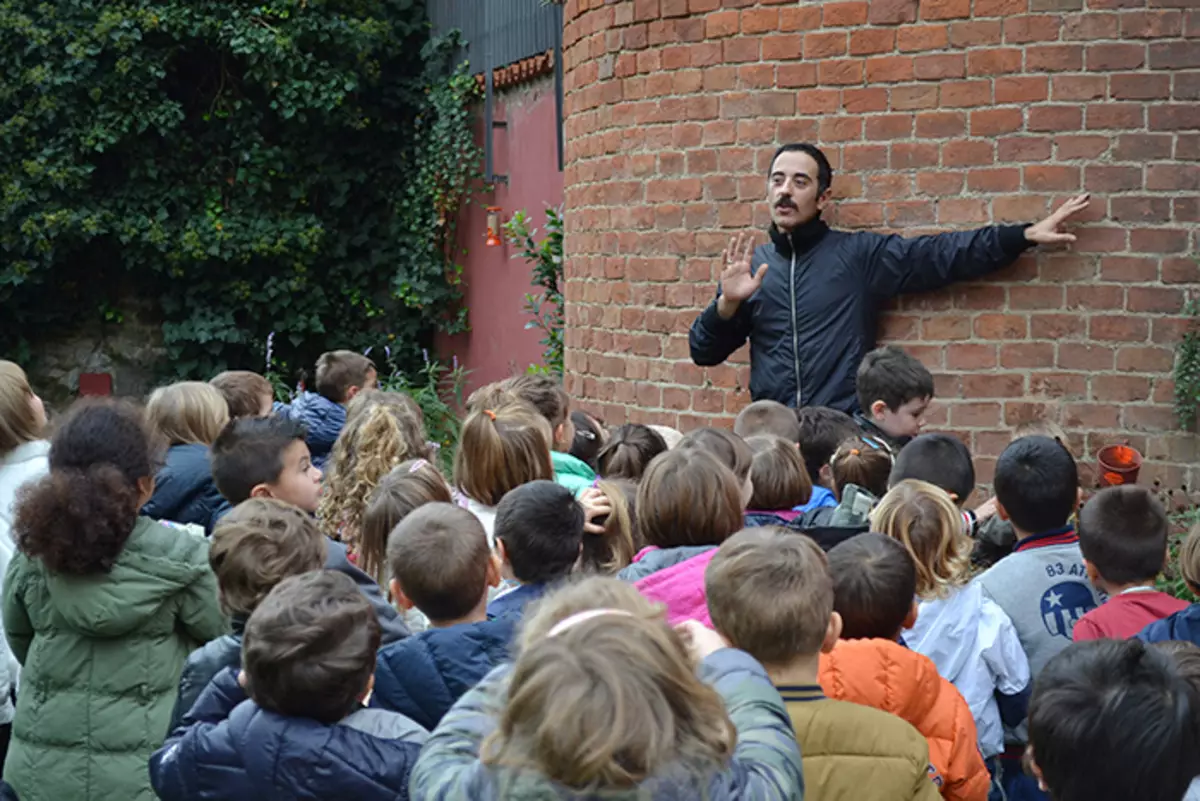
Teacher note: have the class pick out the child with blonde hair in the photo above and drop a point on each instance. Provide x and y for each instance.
(604, 699)
(499, 450)
(187, 416)
(963, 631)
(1185, 624)
(381, 432)
(613, 549)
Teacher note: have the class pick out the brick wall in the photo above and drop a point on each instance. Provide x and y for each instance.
(936, 114)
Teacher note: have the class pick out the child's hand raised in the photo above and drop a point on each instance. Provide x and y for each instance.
(701, 640)
(596, 505)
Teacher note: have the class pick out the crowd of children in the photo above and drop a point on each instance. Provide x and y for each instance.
(217, 596)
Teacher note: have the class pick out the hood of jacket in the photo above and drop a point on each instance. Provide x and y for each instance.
(257, 754)
(1183, 625)
(423, 675)
(323, 420)
(19, 466)
(650, 560)
(681, 589)
(184, 491)
(947, 630)
(156, 563)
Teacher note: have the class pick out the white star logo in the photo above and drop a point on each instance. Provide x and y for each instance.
(1055, 599)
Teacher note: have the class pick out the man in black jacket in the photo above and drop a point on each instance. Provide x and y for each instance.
(811, 307)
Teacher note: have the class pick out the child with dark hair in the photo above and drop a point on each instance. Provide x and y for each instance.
(1123, 537)
(770, 594)
(629, 452)
(254, 547)
(688, 503)
(1185, 624)
(440, 564)
(292, 724)
(894, 392)
(546, 394)
(874, 581)
(822, 430)
(101, 607)
(268, 458)
(1043, 585)
(340, 376)
(539, 533)
(945, 462)
(1186, 657)
(590, 438)
(858, 475)
(768, 418)
(1112, 720)
(780, 480)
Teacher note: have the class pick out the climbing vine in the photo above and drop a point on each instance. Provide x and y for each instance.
(241, 168)
(1187, 367)
(545, 307)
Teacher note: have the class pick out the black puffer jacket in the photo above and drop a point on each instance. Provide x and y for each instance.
(814, 317)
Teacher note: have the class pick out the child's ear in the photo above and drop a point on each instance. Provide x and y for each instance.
(832, 632)
(825, 474)
(350, 393)
(1078, 499)
(1092, 573)
(261, 491)
(402, 601)
(494, 568)
(1001, 512)
(559, 430)
(145, 486)
(366, 694)
(910, 619)
(878, 408)
(501, 551)
(1031, 761)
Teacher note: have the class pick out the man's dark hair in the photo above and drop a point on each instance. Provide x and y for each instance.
(1123, 533)
(541, 526)
(309, 648)
(1114, 719)
(1037, 483)
(439, 556)
(890, 375)
(824, 169)
(249, 452)
(822, 430)
(874, 583)
(942, 460)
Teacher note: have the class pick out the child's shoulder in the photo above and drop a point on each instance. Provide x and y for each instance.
(386, 725)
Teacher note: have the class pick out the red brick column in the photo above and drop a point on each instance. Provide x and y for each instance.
(936, 114)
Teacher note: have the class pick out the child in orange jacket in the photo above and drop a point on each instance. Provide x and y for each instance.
(874, 583)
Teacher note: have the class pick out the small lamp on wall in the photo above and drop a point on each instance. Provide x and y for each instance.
(493, 227)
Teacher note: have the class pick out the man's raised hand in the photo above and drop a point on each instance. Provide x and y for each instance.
(1049, 231)
(738, 279)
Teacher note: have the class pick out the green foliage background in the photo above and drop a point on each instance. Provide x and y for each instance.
(292, 167)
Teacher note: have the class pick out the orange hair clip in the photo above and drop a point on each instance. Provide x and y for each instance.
(854, 451)
(490, 414)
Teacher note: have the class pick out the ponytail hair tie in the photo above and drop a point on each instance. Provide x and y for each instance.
(854, 451)
(417, 465)
(490, 414)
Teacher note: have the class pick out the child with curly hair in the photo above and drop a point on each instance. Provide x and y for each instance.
(381, 432)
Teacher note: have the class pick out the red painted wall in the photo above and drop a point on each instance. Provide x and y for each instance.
(495, 283)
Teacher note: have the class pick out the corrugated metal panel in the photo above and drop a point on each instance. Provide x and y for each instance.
(512, 29)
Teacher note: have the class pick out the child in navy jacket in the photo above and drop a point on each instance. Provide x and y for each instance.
(308, 655)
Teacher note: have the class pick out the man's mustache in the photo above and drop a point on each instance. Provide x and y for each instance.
(785, 203)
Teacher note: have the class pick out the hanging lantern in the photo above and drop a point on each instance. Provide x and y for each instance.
(493, 227)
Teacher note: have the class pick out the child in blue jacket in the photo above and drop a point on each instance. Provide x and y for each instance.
(292, 724)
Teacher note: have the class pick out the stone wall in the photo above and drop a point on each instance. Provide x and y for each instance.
(937, 114)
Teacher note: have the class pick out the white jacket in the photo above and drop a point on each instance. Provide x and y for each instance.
(19, 466)
(975, 647)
